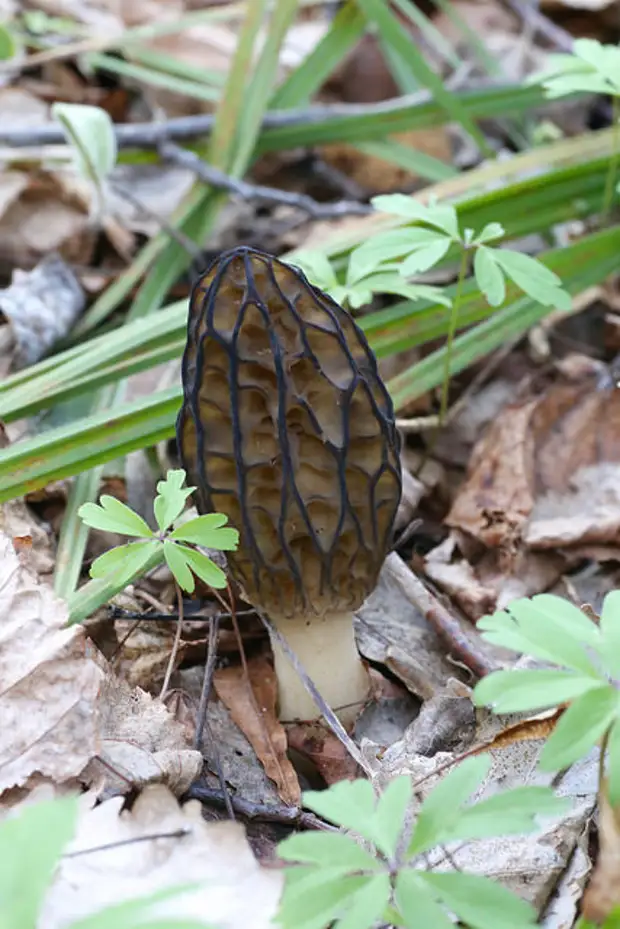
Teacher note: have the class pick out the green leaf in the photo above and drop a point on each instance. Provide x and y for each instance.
(177, 561)
(478, 901)
(368, 905)
(613, 765)
(331, 849)
(610, 633)
(123, 560)
(206, 531)
(441, 809)
(204, 568)
(441, 216)
(170, 502)
(511, 812)
(349, 803)
(309, 907)
(390, 815)
(378, 249)
(317, 268)
(527, 691)
(113, 516)
(550, 629)
(421, 259)
(416, 905)
(489, 276)
(580, 728)
(490, 232)
(135, 914)
(534, 279)
(90, 132)
(8, 43)
(31, 843)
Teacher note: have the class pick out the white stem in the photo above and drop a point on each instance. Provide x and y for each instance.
(328, 654)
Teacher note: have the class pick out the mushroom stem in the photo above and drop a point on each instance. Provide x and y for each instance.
(326, 649)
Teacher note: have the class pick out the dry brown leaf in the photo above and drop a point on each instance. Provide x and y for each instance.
(234, 891)
(50, 678)
(603, 891)
(258, 721)
(140, 743)
(325, 751)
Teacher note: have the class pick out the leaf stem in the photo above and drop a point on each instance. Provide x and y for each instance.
(454, 314)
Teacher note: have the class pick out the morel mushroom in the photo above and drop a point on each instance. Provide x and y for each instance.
(287, 428)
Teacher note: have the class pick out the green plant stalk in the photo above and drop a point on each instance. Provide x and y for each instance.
(74, 533)
(608, 196)
(452, 326)
(99, 591)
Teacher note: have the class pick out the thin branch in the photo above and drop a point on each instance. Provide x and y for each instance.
(264, 812)
(532, 16)
(441, 619)
(216, 178)
(201, 716)
(150, 135)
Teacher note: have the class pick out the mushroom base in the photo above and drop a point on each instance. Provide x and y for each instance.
(327, 651)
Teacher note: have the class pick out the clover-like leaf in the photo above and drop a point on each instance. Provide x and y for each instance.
(171, 498)
(113, 516)
(204, 568)
(533, 277)
(124, 560)
(489, 276)
(478, 901)
(206, 531)
(177, 561)
(580, 728)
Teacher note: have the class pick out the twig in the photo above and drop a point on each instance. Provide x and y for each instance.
(265, 812)
(328, 714)
(443, 622)
(216, 178)
(117, 612)
(201, 716)
(531, 15)
(150, 135)
(175, 644)
(182, 240)
(174, 834)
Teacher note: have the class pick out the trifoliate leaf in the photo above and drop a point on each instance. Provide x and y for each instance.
(204, 568)
(366, 908)
(613, 765)
(331, 849)
(441, 809)
(394, 283)
(416, 904)
(489, 276)
(170, 502)
(580, 728)
(206, 531)
(529, 691)
(478, 901)
(610, 633)
(113, 516)
(512, 812)
(442, 216)
(390, 815)
(349, 803)
(533, 277)
(425, 256)
(125, 560)
(31, 843)
(177, 561)
(380, 248)
(90, 132)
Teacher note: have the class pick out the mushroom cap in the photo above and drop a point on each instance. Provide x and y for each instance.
(288, 429)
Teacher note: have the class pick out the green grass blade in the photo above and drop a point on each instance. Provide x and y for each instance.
(153, 78)
(426, 166)
(393, 34)
(300, 86)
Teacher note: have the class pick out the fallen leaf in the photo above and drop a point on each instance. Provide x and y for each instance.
(50, 679)
(258, 721)
(233, 891)
(325, 751)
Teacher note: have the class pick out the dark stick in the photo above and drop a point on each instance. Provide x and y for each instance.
(217, 762)
(201, 716)
(443, 622)
(265, 812)
(216, 178)
(531, 15)
(150, 135)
